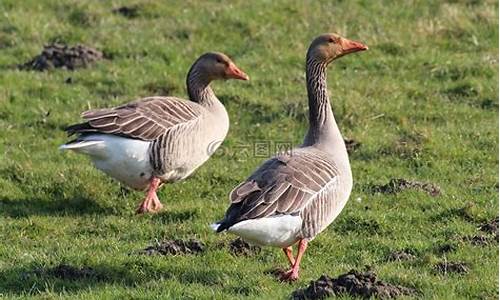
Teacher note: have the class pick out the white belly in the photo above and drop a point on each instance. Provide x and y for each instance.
(280, 231)
(124, 159)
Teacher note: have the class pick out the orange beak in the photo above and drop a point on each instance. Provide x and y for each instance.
(233, 72)
(349, 46)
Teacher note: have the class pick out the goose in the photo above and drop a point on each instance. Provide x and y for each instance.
(295, 195)
(157, 140)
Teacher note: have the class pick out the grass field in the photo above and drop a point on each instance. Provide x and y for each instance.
(423, 103)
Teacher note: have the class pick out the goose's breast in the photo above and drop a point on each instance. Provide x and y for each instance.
(187, 148)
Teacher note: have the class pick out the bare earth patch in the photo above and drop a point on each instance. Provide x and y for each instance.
(175, 247)
(400, 256)
(241, 248)
(63, 56)
(354, 283)
(479, 240)
(397, 185)
(490, 227)
(489, 235)
(451, 267)
(130, 12)
(275, 272)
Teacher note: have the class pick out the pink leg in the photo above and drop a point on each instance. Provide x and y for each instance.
(151, 198)
(289, 255)
(157, 204)
(293, 273)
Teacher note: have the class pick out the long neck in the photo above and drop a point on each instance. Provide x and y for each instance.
(323, 130)
(198, 87)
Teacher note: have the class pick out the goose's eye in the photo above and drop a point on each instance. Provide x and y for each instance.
(219, 60)
(331, 40)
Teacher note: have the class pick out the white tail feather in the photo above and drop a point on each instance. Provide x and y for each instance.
(79, 145)
(214, 226)
(93, 148)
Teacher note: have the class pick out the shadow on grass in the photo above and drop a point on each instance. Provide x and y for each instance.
(467, 213)
(76, 205)
(47, 195)
(30, 279)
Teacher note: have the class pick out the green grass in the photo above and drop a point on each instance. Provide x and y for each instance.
(423, 101)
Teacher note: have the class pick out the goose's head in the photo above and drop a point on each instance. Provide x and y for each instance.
(215, 65)
(330, 46)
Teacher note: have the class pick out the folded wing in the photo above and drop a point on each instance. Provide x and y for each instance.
(294, 183)
(145, 119)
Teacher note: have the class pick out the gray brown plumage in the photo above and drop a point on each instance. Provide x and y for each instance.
(159, 139)
(294, 196)
(304, 182)
(146, 119)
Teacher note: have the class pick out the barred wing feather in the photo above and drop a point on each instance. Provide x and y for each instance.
(301, 183)
(145, 119)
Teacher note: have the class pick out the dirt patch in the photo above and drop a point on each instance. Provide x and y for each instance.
(130, 12)
(354, 283)
(351, 145)
(275, 272)
(479, 240)
(490, 237)
(175, 247)
(397, 185)
(401, 256)
(451, 267)
(463, 90)
(149, 9)
(241, 248)
(490, 227)
(64, 271)
(63, 56)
